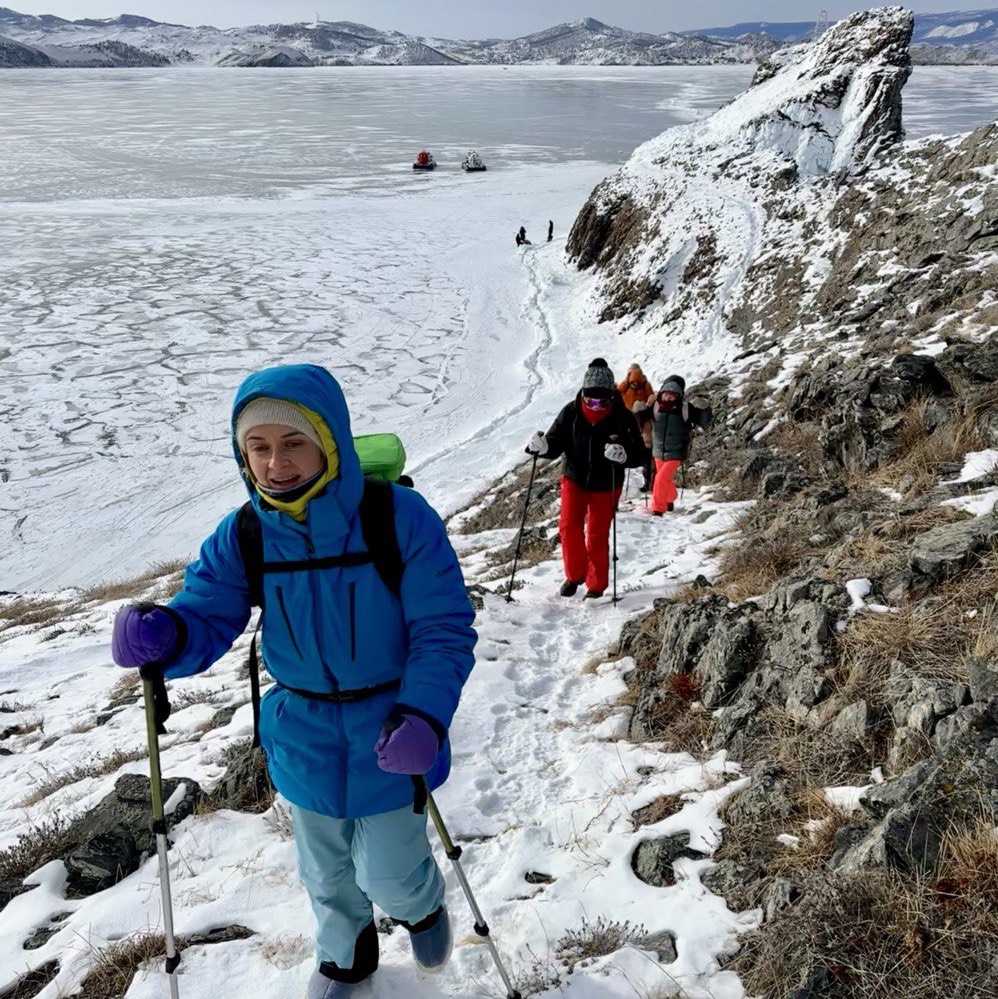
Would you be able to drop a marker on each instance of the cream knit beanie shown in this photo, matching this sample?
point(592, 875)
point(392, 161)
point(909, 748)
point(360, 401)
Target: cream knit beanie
point(277, 411)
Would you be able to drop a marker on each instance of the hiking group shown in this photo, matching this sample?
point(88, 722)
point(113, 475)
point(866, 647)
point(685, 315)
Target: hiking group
point(605, 429)
point(366, 629)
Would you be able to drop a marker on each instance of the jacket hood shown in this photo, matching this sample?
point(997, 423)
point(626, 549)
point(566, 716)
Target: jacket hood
point(672, 382)
point(316, 390)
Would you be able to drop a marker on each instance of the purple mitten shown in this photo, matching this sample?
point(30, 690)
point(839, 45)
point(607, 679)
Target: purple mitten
point(410, 748)
point(144, 635)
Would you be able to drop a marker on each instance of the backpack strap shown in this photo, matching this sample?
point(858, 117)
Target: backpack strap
point(377, 524)
point(250, 537)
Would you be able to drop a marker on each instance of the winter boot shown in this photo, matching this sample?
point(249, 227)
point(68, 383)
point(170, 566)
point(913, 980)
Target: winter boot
point(570, 588)
point(593, 594)
point(670, 507)
point(321, 987)
point(432, 941)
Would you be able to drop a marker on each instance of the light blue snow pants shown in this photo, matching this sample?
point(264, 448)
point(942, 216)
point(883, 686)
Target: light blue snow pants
point(346, 864)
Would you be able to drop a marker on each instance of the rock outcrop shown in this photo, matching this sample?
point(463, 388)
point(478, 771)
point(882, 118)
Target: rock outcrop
point(848, 279)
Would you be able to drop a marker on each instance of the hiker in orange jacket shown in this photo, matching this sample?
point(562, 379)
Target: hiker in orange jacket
point(635, 387)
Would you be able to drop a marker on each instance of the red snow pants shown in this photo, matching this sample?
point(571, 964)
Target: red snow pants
point(585, 533)
point(664, 491)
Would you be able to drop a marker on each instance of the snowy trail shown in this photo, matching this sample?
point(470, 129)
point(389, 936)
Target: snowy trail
point(543, 782)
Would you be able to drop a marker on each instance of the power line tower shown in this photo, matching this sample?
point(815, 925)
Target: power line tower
point(821, 25)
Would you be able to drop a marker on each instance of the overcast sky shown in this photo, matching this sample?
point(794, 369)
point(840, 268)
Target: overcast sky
point(461, 19)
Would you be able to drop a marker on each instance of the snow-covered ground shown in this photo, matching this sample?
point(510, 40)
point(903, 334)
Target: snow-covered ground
point(130, 319)
point(543, 782)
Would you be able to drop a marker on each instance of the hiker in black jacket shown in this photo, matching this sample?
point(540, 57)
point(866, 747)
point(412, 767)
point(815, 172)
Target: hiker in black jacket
point(675, 420)
point(598, 438)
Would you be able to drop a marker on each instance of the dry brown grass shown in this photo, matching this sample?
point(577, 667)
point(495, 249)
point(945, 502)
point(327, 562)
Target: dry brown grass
point(252, 792)
point(814, 755)
point(127, 690)
point(802, 441)
point(24, 612)
point(35, 848)
point(763, 557)
point(100, 767)
point(886, 546)
point(596, 939)
point(126, 589)
point(931, 638)
point(533, 550)
point(735, 487)
point(31, 983)
point(815, 824)
point(111, 976)
point(195, 695)
point(675, 717)
point(877, 934)
point(660, 808)
point(916, 453)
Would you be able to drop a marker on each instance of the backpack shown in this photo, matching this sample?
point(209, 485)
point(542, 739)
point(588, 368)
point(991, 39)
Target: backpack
point(382, 459)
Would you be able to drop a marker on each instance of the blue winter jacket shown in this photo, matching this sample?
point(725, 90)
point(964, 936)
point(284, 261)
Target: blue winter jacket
point(335, 629)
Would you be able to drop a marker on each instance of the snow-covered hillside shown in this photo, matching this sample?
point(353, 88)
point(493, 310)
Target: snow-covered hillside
point(586, 42)
point(964, 36)
point(961, 27)
point(686, 204)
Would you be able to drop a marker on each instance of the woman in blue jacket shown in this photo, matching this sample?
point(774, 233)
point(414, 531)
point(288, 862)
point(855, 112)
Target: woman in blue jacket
point(366, 681)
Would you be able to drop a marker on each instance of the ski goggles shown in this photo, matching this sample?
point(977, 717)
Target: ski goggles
point(597, 403)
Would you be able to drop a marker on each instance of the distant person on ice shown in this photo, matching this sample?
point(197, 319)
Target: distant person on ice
point(366, 681)
point(550, 230)
point(598, 438)
point(521, 237)
point(675, 420)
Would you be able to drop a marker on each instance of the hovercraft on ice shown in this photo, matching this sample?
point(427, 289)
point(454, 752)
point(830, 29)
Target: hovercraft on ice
point(424, 161)
point(473, 163)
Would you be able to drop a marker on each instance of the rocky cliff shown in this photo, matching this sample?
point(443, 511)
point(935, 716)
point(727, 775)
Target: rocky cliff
point(847, 653)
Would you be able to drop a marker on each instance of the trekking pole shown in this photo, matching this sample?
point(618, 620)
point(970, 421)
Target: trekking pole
point(523, 522)
point(157, 711)
point(454, 856)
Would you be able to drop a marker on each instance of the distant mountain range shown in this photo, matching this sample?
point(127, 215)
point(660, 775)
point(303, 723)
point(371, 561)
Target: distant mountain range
point(962, 28)
point(130, 40)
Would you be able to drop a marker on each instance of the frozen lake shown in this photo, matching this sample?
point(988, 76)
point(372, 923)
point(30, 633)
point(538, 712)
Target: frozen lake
point(167, 232)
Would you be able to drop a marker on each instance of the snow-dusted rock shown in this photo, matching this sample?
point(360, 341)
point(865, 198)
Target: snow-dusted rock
point(686, 217)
